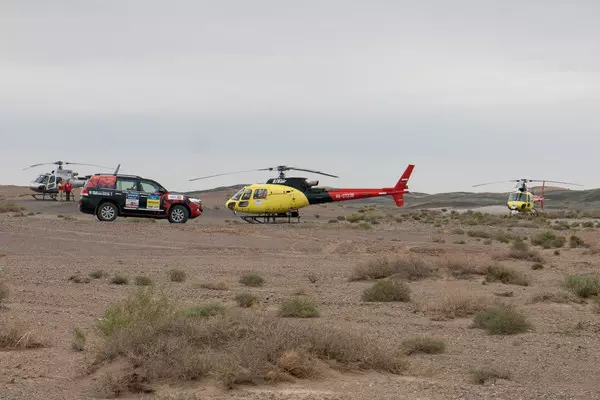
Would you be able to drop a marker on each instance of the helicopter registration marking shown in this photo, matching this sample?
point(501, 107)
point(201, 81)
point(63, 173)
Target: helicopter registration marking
point(345, 196)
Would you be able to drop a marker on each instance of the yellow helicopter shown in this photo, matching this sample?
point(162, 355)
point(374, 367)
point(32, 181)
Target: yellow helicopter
point(280, 198)
point(523, 200)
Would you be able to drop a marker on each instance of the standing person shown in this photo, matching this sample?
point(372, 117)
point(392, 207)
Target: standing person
point(68, 189)
point(60, 189)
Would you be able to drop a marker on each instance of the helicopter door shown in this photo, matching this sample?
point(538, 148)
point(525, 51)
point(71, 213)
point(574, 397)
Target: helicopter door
point(51, 185)
point(244, 202)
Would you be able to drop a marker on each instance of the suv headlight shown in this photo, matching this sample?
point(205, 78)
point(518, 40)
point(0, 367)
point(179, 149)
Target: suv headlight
point(195, 200)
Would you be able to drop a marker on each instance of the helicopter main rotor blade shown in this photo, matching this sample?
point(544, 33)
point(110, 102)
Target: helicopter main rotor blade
point(89, 165)
point(282, 168)
point(492, 183)
point(226, 173)
point(37, 165)
point(563, 183)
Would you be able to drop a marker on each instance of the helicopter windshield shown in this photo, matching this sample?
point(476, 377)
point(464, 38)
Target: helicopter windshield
point(237, 195)
point(39, 179)
point(518, 197)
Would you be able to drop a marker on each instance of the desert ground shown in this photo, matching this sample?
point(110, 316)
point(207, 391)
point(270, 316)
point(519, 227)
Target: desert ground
point(354, 302)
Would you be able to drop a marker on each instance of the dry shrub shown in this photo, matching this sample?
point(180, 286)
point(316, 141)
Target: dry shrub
point(177, 275)
point(252, 279)
point(386, 291)
point(10, 207)
point(4, 293)
point(462, 269)
point(501, 320)
point(576, 241)
point(500, 273)
point(99, 274)
point(119, 279)
point(423, 344)
point(457, 305)
point(150, 333)
point(246, 300)
point(213, 286)
point(520, 251)
point(14, 335)
point(410, 269)
point(143, 281)
point(552, 297)
point(482, 375)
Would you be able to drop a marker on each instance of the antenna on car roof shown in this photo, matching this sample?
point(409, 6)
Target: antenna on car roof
point(117, 170)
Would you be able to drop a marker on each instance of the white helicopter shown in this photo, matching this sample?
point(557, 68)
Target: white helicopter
point(46, 184)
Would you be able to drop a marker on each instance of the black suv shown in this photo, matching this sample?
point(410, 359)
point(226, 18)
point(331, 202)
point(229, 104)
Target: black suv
point(109, 196)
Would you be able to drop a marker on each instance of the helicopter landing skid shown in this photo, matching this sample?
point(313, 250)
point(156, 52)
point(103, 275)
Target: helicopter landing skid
point(271, 219)
point(49, 196)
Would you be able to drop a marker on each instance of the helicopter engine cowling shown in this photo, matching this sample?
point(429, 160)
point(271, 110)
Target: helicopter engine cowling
point(312, 183)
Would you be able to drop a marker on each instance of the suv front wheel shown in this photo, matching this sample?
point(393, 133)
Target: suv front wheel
point(178, 215)
point(107, 212)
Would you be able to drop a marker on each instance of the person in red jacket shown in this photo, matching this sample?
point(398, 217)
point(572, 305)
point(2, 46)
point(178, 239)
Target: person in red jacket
point(68, 188)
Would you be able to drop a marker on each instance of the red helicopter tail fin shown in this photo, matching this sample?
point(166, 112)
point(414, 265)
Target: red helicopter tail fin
point(403, 181)
point(402, 186)
point(399, 199)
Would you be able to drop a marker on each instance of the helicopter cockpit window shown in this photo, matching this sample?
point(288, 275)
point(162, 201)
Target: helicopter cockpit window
point(52, 179)
point(237, 195)
point(260, 194)
point(247, 194)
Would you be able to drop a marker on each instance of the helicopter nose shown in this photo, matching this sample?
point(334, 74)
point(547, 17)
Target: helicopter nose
point(231, 204)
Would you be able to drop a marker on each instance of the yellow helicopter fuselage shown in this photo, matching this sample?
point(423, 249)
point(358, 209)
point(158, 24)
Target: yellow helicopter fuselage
point(267, 199)
point(521, 201)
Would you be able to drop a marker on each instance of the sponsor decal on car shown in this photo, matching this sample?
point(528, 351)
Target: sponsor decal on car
point(132, 200)
point(175, 196)
point(153, 202)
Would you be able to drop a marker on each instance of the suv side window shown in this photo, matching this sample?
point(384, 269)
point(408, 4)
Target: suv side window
point(126, 184)
point(149, 187)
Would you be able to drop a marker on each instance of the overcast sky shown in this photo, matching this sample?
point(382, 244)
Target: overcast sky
point(469, 91)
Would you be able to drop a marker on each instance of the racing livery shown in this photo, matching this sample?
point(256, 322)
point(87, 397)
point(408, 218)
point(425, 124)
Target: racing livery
point(110, 196)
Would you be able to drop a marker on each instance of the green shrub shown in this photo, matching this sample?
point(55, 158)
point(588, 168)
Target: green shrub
point(387, 291)
point(548, 240)
point(143, 307)
point(252, 279)
point(99, 274)
point(501, 320)
point(298, 307)
point(78, 343)
point(205, 310)
point(583, 286)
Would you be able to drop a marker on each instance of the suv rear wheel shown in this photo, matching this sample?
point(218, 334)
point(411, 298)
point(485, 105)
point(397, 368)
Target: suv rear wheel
point(178, 215)
point(107, 212)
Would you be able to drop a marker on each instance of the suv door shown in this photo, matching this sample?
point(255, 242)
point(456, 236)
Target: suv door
point(150, 196)
point(127, 195)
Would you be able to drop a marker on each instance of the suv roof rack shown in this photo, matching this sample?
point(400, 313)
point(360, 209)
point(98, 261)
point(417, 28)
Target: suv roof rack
point(124, 175)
